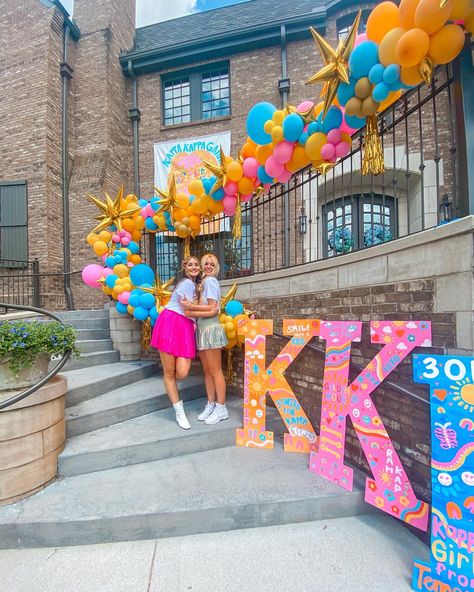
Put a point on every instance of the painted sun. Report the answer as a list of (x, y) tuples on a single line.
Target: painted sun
[(464, 394)]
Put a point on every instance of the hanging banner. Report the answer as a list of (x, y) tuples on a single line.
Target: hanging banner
[(184, 158), (451, 564)]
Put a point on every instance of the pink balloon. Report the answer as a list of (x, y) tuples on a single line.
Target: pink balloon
[(150, 211), (246, 198), (304, 106), (334, 136), (229, 202), (342, 149), (360, 37), (125, 241), (144, 212), (106, 271), (328, 151), (283, 151), (250, 166), (230, 187), (124, 297), (91, 275), (104, 257), (273, 168), (285, 176), (115, 238)]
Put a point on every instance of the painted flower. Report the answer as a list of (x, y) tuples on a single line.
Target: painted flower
[(411, 337), (395, 510), (376, 421), (379, 502), (386, 477), (404, 501), (389, 495), (372, 486)]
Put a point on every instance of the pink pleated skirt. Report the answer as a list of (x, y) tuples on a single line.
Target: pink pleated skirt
[(174, 334)]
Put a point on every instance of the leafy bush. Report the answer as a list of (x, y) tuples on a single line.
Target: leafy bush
[(22, 341)]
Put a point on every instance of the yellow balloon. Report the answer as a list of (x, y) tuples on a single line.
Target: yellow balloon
[(196, 187), (277, 133), (278, 117), (388, 46), (263, 152), (92, 238), (183, 200), (406, 13), (410, 76), (105, 236), (392, 97), (412, 47), (121, 270), (469, 23), (314, 144), (446, 44), (245, 186), (100, 248), (216, 206), (429, 15), (383, 18), (461, 8), (199, 206), (269, 125), (234, 171)]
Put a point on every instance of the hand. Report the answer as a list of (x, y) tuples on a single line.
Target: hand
[(216, 308), (186, 304)]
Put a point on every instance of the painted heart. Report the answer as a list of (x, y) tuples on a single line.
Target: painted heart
[(364, 386), (354, 387), (399, 332), (440, 394)]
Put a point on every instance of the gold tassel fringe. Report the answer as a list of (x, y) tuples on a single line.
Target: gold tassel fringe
[(187, 249), (237, 228), (229, 374), (372, 161), (146, 334)]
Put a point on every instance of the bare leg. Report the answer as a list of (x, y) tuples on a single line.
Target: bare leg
[(214, 364), (182, 368), (208, 379), (169, 376)]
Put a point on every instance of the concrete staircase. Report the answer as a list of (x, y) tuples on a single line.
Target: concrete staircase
[(128, 472)]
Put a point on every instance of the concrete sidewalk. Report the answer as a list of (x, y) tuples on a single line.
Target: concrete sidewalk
[(369, 553)]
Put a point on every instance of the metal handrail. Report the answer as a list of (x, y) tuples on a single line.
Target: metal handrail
[(359, 368), (30, 390)]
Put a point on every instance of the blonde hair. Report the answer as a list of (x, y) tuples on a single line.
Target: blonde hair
[(215, 261)]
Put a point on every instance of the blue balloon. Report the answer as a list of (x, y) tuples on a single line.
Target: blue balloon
[(134, 299), (140, 313), (332, 120), (303, 138), (391, 74), (234, 308), (263, 176), (193, 197), (363, 58), (380, 92), (218, 195), (293, 126), (313, 127), (142, 202), (147, 300), (110, 261), (134, 247), (169, 223), (207, 185), (155, 203), (345, 92), (153, 314), (142, 274), (121, 308), (110, 280), (376, 73), (150, 224), (258, 115), (354, 121)]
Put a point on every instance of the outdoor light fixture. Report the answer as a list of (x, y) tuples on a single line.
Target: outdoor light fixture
[(284, 85), (445, 208), (303, 221)]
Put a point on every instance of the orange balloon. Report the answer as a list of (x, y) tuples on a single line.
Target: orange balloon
[(100, 248), (388, 46), (446, 44), (263, 152), (383, 18), (429, 15), (314, 144), (318, 108), (392, 97), (139, 223), (234, 171), (195, 187), (245, 186), (461, 8), (194, 222), (345, 137), (406, 12), (136, 235), (128, 224), (179, 214), (183, 200), (469, 23), (216, 206), (299, 156), (410, 75), (92, 238), (135, 259), (248, 149), (412, 47)]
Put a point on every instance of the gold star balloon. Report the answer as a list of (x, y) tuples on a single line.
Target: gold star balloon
[(168, 198), (324, 167), (160, 291), (113, 211), (229, 296), (219, 171), (335, 69), (307, 115)]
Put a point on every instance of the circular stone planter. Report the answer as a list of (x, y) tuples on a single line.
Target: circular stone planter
[(32, 435), (26, 376)]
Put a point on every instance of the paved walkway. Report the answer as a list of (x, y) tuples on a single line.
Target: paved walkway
[(370, 553)]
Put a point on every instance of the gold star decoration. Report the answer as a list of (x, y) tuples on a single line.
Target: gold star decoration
[(112, 211), (229, 296), (160, 291), (219, 171), (325, 167), (168, 198), (307, 115), (335, 69)]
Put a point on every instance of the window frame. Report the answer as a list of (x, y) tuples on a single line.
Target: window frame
[(344, 23), (195, 76), (18, 260)]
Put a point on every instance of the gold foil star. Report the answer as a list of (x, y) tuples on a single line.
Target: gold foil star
[(335, 68), (168, 198), (307, 115), (160, 291), (219, 171), (113, 211), (229, 296), (325, 167)]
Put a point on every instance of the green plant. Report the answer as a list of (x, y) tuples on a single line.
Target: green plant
[(22, 341)]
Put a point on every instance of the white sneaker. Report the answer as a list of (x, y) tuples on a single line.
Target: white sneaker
[(208, 409), (219, 413), (181, 418)]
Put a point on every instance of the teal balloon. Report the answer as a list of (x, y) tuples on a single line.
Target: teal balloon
[(363, 58), (234, 308), (354, 121), (150, 224), (293, 126), (134, 299), (345, 92), (332, 120), (121, 308), (147, 300), (110, 280), (256, 118), (263, 176), (376, 73), (133, 247), (313, 127), (142, 274), (153, 314), (391, 74), (140, 313), (380, 92)]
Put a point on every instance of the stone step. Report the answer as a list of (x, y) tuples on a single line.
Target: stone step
[(73, 315), (88, 346), (133, 400), (92, 323), (211, 491), (87, 383), (154, 436), (92, 334), (93, 359)]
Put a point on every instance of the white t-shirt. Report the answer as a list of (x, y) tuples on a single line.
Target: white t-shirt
[(211, 290), (185, 289)]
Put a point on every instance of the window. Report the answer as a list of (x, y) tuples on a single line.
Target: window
[(197, 94), (13, 223), (353, 223), (344, 24)]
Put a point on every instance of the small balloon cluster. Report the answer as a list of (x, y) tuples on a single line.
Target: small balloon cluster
[(232, 315)]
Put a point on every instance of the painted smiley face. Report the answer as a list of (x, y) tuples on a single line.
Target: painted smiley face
[(468, 478), (445, 479), (368, 403)]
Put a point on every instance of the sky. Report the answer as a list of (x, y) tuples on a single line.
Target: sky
[(154, 11)]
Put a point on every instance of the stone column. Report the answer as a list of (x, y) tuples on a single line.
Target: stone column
[(126, 335)]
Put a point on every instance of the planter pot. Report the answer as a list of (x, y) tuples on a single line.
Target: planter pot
[(26, 377)]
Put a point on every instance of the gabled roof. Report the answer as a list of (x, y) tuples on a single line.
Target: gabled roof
[(222, 31)]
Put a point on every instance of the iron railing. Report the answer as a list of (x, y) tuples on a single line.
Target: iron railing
[(318, 216), (20, 282)]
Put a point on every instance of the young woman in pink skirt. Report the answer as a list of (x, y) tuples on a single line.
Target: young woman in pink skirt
[(173, 336), (210, 339)]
